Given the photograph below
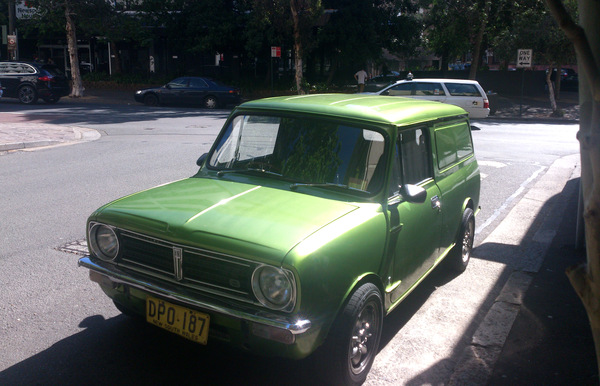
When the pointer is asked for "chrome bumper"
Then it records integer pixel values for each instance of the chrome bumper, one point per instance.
(182, 296)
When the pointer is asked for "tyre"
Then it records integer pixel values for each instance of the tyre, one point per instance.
(126, 311)
(151, 100)
(461, 253)
(27, 95)
(211, 102)
(354, 337)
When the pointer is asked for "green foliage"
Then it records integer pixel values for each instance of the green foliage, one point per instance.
(528, 24)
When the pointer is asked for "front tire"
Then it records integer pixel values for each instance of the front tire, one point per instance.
(27, 95)
(354, 337)
(461, 253)
(151, 100)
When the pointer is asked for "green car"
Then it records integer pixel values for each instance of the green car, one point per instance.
(310, 219)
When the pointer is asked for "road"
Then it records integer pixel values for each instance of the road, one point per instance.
(56, 327)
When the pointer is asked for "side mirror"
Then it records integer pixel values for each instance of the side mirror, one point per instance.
(201, 160)
(168, 86)
(413, 193)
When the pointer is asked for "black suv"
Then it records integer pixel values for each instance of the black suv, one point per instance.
(28, 81)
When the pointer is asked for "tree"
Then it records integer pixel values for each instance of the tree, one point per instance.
(304, 15)
(523, 31)
(585, 36)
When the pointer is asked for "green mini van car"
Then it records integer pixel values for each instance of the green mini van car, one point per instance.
(310, 219)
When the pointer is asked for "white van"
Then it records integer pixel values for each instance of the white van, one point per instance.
(467, 94)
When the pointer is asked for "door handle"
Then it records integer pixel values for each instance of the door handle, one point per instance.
(436, 203)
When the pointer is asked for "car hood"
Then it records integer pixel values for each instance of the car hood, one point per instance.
(242, 219)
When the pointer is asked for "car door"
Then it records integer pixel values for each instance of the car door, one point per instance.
(431, 91)
(11, 74)
(414, 227)
(401, 89)
(174, 91)
(197, 91)
(466, 96)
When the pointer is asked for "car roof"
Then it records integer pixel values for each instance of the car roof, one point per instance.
(369, 108)
(439, 80)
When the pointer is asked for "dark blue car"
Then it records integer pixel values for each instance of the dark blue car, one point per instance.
(190, 90)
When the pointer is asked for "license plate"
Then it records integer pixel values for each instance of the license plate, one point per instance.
(182, 321)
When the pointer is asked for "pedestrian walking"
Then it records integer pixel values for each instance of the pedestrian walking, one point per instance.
(361, 76)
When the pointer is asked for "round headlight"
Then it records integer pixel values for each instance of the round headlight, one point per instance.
(272, 287)
(104, 242)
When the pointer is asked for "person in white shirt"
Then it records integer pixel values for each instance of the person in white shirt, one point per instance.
(361, 76)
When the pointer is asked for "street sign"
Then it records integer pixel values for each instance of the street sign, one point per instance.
(12, 42)
(524, 58)
(276, 52)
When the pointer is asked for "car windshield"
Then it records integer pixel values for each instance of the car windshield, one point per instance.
(311, 151)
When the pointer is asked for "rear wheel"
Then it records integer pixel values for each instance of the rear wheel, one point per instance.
(461, 253)
(354, 337)
(211, 102)
(27, 95)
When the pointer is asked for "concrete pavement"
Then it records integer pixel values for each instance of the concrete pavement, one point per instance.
(531, 230)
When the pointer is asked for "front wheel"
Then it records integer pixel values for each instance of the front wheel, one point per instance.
(354, 337)
(151, 100)
(461, 253)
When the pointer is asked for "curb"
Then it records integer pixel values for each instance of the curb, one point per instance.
(478, 359)
(56, 135)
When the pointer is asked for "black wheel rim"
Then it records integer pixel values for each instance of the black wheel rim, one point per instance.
(365, 334)
(26, 94)
(467, 241)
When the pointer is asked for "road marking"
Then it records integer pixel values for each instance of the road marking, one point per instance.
(505, 204)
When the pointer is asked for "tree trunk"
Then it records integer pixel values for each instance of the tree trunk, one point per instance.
(77, 87)
(117, 68)
(479, 40)
(297, 47)
(550, 85)
(585, 278)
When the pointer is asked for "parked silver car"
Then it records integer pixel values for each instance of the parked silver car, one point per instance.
(464, 93)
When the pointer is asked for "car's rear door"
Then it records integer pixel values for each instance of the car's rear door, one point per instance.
(467, 96)
(197, 91)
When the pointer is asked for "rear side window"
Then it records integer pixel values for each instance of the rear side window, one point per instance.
(16, 68)
(453, 144)
(459, 89)
(198, 83)
(428, 89)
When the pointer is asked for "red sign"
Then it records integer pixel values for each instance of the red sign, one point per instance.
(276, 52)
(12, 42)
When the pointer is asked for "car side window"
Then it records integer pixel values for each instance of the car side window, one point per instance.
(178, 83)
(428, 89)
(458, 89)
(415, 156)
(403, 89)
(198, 83)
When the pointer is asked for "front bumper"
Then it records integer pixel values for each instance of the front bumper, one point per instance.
(299, 335)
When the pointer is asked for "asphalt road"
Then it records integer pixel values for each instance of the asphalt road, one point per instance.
(56, 327)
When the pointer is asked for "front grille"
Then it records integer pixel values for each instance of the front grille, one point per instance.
(196, 268)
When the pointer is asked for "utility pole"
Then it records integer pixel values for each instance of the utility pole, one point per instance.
(12, 26)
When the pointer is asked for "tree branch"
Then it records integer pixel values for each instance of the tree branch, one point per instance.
(577, 36)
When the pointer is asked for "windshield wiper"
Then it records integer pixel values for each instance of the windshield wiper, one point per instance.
(221, 173)
(320, 185)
